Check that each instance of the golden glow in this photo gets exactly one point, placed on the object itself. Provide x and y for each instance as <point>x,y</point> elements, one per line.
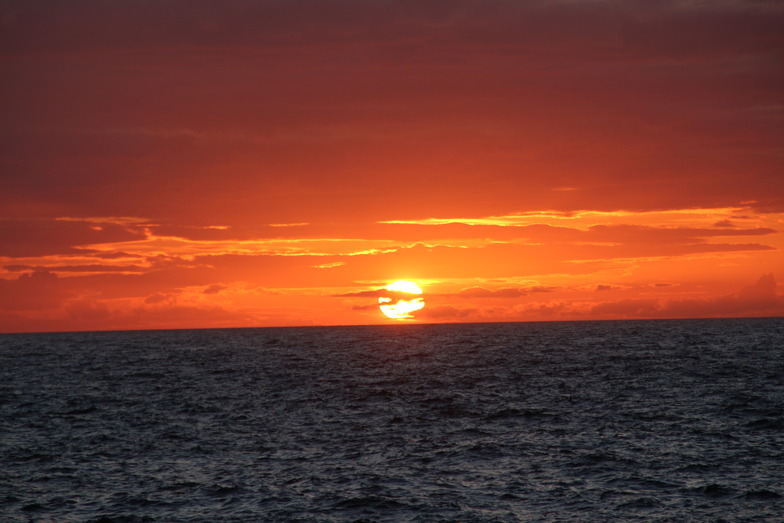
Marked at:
<point>586,218</point>
<point>399,305</point>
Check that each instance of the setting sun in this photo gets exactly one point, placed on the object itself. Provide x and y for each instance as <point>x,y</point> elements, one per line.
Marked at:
<point>404,298</point>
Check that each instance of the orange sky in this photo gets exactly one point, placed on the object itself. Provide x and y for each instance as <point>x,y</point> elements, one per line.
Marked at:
<point>179,164</point>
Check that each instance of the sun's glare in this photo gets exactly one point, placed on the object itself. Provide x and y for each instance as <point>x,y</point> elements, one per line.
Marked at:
<point>403,299</point>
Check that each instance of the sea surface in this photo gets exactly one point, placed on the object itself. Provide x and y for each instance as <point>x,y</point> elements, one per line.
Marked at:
<point>570,421</point>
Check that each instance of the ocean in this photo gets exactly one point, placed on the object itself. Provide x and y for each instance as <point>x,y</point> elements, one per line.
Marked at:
<point>673,420</point>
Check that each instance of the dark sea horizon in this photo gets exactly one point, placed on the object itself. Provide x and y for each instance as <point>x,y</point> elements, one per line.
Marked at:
<point>627,420</point>
<point>399,323</point>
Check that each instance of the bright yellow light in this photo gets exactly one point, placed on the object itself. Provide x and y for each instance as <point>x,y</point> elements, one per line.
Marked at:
<point>404,286</point>
<point>402,300</point>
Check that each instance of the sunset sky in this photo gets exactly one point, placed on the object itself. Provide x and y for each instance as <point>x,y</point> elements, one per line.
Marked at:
<point>238,163</point>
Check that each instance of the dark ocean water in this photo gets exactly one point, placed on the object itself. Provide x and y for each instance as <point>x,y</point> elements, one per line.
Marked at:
<point>579,421</point>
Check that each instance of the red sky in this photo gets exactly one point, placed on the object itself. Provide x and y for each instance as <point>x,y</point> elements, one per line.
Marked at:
<point>192,163</point>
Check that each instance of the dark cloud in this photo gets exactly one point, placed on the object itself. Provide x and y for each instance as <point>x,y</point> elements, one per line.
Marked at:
<point>364,307</point>
<point>549,310</point>
<point>760,298</point>
<point>445,312</point>
<point>37,291</point>
<point>88,310</point>
<point>214,289</point>
<point>363,294</point>
<point>631,234</point>
<point>118,285</point>
<point>481,292</point>
<point>378,293</point>
<point>87,315</point>
<point>631,307</point>
<point>160,297</point>
<point>77,268</point>
<point>113,255</point>
<point>542,288</point>
<point>602,287</point>
<point>41,237</point>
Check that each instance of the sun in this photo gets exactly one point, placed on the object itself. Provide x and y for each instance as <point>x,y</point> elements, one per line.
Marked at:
<point>401,299</point>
